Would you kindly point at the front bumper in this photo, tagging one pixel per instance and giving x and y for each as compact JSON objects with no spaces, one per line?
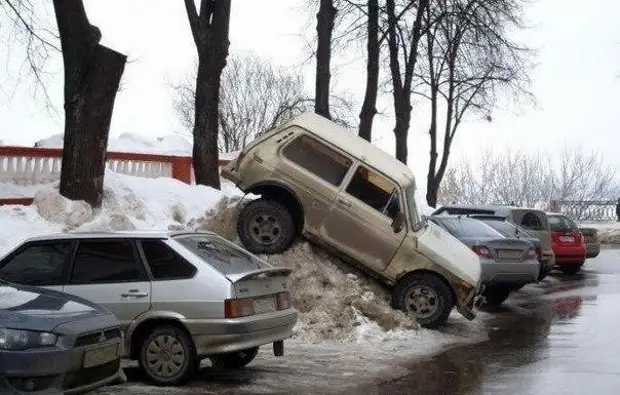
{"x":214,"y":337}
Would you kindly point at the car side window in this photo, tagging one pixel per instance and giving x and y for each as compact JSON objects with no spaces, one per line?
{"x":165,"y":263}
{"x":40,"y":265}
{"x":106,"y":261}
{"x":318,"y":159}
{"x":375,"y":190}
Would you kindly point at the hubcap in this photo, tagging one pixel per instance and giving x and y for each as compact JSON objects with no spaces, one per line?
{"x":265,"y":228}
{"x":165,"y":356}
{"x":422,"y":301}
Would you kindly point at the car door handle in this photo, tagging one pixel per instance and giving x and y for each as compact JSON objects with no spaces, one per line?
{"x":134,"y":293}
{"x":344,"y":202}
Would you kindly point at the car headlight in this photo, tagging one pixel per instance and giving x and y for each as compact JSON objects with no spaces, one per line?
{"x":19,"y":340}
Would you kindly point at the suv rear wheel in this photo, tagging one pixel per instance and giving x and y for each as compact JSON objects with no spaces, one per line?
{"x":234,"y":360}
{"x":426,"y":297}
{"x":167,"y":356}
{"x":266,"y":227}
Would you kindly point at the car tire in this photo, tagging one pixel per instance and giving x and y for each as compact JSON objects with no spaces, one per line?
{"x":495,"y":296}
{"x":544,"y":272}
{"x":234,"y":360}
{"x":570,"y":269}
{"x":177,"y":353}
{"x":266,"y":227}
{"x":434,"y":299}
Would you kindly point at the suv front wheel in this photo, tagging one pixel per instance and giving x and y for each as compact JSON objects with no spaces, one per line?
{"x":424,"y":296}
{"x":266,"y":227}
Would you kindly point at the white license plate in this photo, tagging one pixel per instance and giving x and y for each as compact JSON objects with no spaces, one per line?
{"x":265,"y":305}
{"x":567,"y":239}
{"x":100,"y":356}
{"x":508,"y":254}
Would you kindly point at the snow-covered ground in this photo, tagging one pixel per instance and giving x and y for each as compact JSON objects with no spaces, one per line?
{"x":608,"y":232}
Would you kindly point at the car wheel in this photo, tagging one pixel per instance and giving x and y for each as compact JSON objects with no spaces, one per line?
{"x":543,"y":273}
{"x":496,"y":295}
{"x":424,"y":296}
{"x":168,"y":356}
{"x":570,"y":269}
{"x":234,"y":360}
{"x":266,"y":227}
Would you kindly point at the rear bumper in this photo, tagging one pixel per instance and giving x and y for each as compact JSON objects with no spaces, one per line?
{"x":220,"y":336}
{"x":494,"y":272}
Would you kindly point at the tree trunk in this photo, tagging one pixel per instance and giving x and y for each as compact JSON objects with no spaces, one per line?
{"x":324,"y":27}
{"x":401,"y":129}
{"x":92,"y":77}
{"x":369,"y":107}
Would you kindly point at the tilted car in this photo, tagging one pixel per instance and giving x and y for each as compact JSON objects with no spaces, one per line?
{"x":507,"y":263}
{"x":180,"y":296}
{"x":533,"y":220}
{"x":509,"y":229}
{"x":53,"y":343}
{"x":568,"y":243}
{"x":319,"y":180}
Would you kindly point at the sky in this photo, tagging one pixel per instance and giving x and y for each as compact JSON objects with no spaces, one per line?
{"x":576,"y":81}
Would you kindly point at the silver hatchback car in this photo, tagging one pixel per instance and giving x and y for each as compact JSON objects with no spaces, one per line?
{"x":180,"y":296}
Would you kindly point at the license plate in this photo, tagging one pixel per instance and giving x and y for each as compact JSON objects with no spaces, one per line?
{"x":508,"y":254}
{"x":100,"y":356}
{"x":567,"y":239}
{"x":265,"y":305}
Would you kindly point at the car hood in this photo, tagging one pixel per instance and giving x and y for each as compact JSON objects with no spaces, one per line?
{"x":34,"y":308}
{"x":446,"y":250}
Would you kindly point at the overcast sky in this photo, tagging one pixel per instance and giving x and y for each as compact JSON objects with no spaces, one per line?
{"x":577,"y":81}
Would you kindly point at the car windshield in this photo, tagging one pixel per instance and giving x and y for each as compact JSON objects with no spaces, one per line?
{"x":467,"y":227}
{"x":412,"y":203}
{"x":559,"y":223}
{"x":223,"y":255}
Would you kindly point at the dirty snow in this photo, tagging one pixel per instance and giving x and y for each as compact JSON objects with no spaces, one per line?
{"x":608,"y":232}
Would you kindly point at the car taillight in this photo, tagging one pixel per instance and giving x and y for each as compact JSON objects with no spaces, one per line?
{"x":283,"y":300}
{"x":532,"y":254}
{"x":235,"y":308}
{"x":482,"y":251}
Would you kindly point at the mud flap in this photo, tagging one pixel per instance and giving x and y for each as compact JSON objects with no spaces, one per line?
{"x":278,"y":348}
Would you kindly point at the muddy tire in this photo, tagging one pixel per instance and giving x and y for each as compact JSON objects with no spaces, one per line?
{"x":168,"y":356}
{"x":424,"y":296}
{"x":495,"y":296}
{"x":570,"y":269}
{"x":266,"y":227}
{"x":234,"y":360}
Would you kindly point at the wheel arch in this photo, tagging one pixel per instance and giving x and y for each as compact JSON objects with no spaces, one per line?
{"x":138,"y":331}
{"x":283,"y":194}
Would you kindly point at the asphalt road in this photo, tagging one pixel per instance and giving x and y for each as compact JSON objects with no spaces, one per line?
{"x":558,"y":337}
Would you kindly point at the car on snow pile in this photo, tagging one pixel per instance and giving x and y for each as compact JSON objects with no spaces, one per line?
{"x":569,"y":245}
{"x":508,"y":263}
{"x":180,"y":296}
{"x":321,"y":181}
{"x":54,"y":343}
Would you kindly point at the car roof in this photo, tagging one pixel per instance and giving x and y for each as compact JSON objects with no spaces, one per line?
{"x":131,"y":234}
{"x":354,"y":145}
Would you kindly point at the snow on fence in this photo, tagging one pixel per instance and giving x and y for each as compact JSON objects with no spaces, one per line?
{"x":23,"y":167}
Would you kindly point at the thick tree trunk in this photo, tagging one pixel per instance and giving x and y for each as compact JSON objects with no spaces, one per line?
{"x":92,"y":77}
{"x":401,"y":130}
{"x":369,"y":107}
{"x":324,"y":27}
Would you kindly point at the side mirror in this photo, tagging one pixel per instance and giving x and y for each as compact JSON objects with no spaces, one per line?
{"x":399,"y":222}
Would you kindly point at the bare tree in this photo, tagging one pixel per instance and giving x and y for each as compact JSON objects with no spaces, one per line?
{"x":469,"y":59}
{"x":92,"y":77}
{"x":324,"y":28}
{"x":530,"y":179}
{"x":255,"y":96}
{"x":369,"y":106}
{"x":210,"y":29}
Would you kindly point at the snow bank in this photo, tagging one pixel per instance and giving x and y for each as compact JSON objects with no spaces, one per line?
{"x":608,"y":232}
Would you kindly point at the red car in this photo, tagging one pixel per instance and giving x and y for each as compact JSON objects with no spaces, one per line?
{"x":567,"y":242}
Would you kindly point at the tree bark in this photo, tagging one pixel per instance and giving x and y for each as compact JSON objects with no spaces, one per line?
{"x":369,"y":107}
{"x":92,"y":77}
{"x":324,"y":28}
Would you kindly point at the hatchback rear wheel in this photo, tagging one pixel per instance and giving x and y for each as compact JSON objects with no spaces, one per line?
{"x":234,"y":360}
{"x":570,"y":269}
{"x":168,"y":356}
{"x":266,"y":227}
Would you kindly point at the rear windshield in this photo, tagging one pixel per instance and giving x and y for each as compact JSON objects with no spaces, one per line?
{"x":223,"y":255}
{"x":466,"y":227}
{"x":507,"y":229}
{"x":559,"y":222}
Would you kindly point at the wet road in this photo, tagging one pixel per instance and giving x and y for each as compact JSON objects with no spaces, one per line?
{"x":558,"y":339}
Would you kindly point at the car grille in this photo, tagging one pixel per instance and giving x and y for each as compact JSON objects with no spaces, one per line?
{"x":93,"y":338}
{"x":90,"y":375}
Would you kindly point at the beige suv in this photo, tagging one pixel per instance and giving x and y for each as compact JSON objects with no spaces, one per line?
{"x":319,"y":180}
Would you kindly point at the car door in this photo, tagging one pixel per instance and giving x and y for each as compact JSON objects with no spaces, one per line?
{"x":110,"y":273}
{"x":315,"y":172}
{"x":359,"y":222}
{"x":41,"y":263}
